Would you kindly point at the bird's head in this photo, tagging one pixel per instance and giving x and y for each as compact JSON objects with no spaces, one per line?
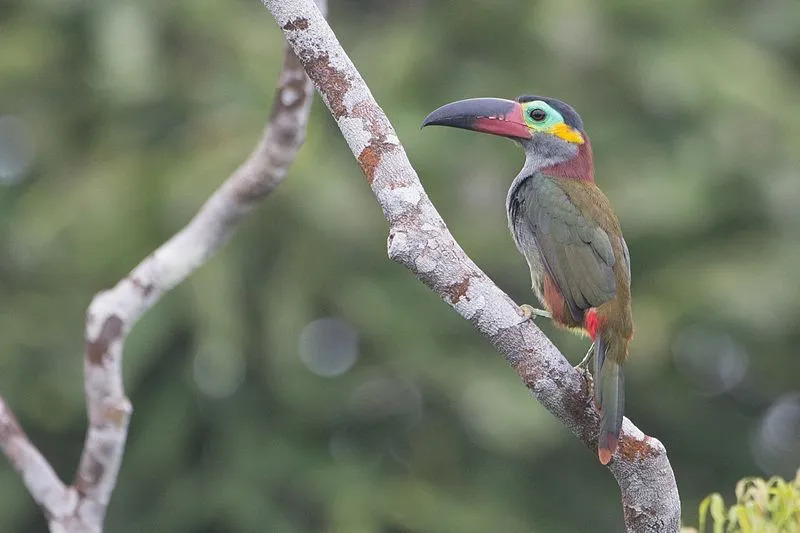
{"x":550,"y":131}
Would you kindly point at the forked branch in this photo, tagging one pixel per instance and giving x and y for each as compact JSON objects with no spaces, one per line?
{"x":420,"y":240}
{"x":81,"y":507}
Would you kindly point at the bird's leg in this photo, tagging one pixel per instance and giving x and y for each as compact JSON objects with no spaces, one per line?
{"x":583,"y":368}
{"x":583,"y":365}
{"x":530,"y":312}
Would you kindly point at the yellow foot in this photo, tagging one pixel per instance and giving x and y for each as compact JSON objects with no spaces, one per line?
{"x":529,"y":312}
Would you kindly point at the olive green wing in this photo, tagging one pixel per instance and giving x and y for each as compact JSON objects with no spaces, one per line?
{"x":576,"y":252}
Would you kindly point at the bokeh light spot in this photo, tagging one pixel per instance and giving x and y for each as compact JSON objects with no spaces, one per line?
{"x":218,"y":371}
{"x":328,"y":347}
{"x":777,"y":444}
{"x":711,"y":360}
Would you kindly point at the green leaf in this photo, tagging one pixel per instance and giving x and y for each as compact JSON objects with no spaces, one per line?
{"x":762,"y":506}
{"x":717,"y":509}
{"x":703,"y":512}
{"x":742,"y":519}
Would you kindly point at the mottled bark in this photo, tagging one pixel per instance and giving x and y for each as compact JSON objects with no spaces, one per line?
{"x":81,"y":507}
{"x":420,"y":240}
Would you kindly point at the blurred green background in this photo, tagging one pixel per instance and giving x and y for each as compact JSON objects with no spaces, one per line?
{"x":301,"y":381}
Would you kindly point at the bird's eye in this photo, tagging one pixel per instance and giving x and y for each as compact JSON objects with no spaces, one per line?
{"x":537,"y":114}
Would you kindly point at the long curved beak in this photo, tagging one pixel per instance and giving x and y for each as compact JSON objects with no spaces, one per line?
{"x":487,"y":115}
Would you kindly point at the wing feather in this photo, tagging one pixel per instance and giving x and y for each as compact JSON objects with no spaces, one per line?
{"x":575,"y":250}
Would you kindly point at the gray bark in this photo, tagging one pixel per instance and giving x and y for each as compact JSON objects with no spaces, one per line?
{"x":419,"y":240}
{"x":81,"y":506}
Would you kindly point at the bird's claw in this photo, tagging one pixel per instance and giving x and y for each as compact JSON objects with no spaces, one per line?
{"x":587,"y":376}
{"x":582,"y":367}
{"x":584,"y":364}
{"x":530,"y":313}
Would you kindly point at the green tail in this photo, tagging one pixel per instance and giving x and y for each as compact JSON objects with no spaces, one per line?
{"x":609,"y":396}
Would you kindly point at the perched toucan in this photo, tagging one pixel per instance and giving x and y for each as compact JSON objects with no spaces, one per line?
{"x":565,"y":227}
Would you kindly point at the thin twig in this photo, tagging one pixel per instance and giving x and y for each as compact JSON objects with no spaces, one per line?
{"x":82,"y":506}
{"x":420,"y":240}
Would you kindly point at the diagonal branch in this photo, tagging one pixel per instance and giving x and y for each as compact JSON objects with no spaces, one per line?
{"x":112,"y":314}
{"x":420,"y":240}
{"x":37,"y":474}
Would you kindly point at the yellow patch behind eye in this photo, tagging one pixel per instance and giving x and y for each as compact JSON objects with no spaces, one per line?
{"x":567,"y":133}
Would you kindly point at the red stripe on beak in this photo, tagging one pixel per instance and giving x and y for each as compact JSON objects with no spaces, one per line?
{"x":511,"y":124}
{"x":487,"y":115}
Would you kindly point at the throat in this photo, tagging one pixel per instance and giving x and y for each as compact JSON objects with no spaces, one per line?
{"x":580,"y":167}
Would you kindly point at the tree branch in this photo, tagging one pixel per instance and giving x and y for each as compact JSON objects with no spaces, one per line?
{"x":37,"y":474}
{"x":81,"y":507}
{"x":420,"y":240}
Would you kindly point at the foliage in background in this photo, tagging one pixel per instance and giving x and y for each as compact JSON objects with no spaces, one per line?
{"x":303,"y":381}
{"x":762,"y":506}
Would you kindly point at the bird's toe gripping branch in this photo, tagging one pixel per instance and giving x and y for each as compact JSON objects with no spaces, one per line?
{"x":530,"y":313}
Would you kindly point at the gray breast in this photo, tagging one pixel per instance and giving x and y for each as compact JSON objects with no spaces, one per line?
{"x":522,"y":232}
